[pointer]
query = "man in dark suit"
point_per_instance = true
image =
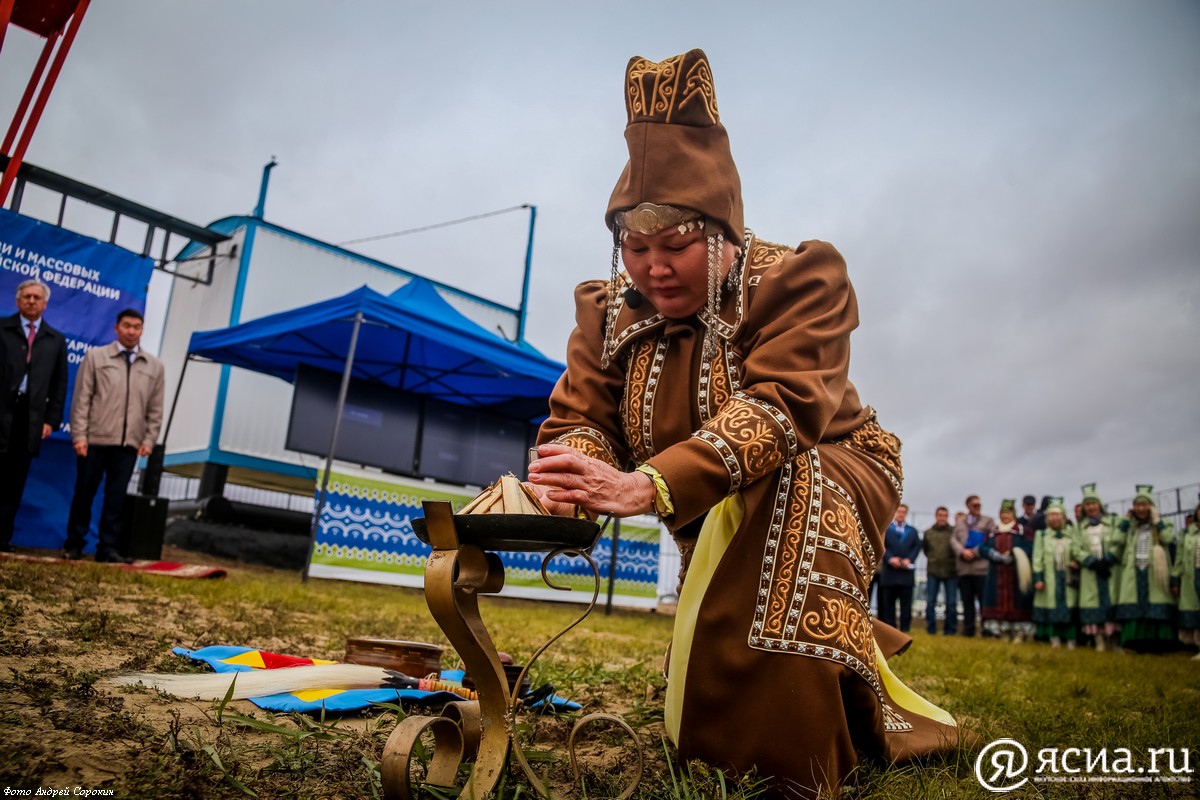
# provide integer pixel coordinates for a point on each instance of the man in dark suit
(901, 546)
(1033, 519)
(33, 394)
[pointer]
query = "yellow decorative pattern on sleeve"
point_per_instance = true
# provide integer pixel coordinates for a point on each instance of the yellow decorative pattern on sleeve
(663, 505)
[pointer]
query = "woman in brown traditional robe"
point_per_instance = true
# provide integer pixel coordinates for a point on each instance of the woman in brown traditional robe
(708, 383)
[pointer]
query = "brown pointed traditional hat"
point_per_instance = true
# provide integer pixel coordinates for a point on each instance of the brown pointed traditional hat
(678, 148)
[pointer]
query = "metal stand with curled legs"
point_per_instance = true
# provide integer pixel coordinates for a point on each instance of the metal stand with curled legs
(480, 732)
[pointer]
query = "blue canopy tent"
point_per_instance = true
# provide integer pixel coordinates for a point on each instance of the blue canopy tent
(412, 340)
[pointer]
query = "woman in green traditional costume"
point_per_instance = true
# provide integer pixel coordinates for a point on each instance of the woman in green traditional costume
(1097, 538)
(1055, 600)
(1185, 583)
(1145, 605)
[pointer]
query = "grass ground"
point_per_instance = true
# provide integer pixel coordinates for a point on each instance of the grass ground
(67, 627)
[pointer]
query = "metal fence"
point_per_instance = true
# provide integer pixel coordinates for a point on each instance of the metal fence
(180, 487)
(1173, 504)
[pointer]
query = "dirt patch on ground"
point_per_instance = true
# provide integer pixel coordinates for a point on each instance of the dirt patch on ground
(63, 631)
(63, 724)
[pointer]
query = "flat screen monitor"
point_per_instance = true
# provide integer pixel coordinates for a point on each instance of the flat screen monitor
(465, 445)
(379, 423)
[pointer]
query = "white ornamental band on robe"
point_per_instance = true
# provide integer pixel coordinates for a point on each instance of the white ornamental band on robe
(1062, 549)
(1095, 540)
(1141, 552)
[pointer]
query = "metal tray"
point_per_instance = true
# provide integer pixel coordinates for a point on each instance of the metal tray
(519, 532)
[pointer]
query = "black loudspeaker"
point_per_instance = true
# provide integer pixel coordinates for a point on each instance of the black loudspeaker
(151, 477)
(145, 522)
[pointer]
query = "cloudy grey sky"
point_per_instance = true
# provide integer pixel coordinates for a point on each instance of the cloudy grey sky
(1015, 186)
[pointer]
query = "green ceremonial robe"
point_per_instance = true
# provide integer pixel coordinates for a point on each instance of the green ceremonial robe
(1140, 597)
(1056, 602)
(1186, 576)
(1094, 547)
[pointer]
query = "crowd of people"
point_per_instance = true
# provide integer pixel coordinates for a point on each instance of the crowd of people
(1097, 579)
(115, 416)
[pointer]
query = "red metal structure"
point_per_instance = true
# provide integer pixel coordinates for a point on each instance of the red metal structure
(57, 21)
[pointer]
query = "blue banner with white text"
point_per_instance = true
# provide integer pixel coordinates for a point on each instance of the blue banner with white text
(90, 282)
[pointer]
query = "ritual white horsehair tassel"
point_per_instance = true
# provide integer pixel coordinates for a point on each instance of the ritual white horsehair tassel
(266, 682)
(1160, 568)
(1024, 570)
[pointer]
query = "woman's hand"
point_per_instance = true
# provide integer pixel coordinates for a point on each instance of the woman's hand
(563, 475)
(555, 509)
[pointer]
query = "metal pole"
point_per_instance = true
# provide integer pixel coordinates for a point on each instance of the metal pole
(151, 478)
(17, 194)
(6, 9)
(262, 189)
(175, 399)
(19, 116)
(39, 105)
(612, 566)
(524, 307)
(337, 424)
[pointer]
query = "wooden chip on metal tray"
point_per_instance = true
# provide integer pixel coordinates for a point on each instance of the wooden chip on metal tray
(506, 496)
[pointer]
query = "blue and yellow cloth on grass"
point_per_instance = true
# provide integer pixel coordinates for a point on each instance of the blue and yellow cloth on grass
(225, 658)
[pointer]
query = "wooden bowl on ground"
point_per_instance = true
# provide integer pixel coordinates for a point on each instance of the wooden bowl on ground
(416, 659)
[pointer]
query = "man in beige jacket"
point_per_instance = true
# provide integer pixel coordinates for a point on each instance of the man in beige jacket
(971, 531)
(116, 415)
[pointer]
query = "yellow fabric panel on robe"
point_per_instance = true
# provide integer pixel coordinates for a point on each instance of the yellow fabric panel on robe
(716, 533)
(905, 697)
